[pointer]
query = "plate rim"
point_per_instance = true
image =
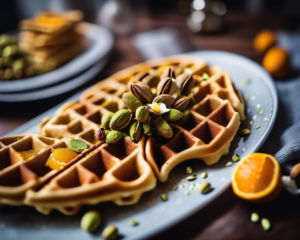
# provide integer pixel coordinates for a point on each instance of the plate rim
(267, 79)
(102, 45)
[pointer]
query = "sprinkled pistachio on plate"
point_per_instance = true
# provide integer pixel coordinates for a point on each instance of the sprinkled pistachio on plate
(205, 76)
(266, 119)
(204, 187)
(191, 178)
(265, 224)
(189, 170)
(245, 132)
(235, 157)
(251, 122)
(246, 81)
(254, 217)
(260, 111)
(187, 193)
(204, 175)
(164, 197)
(258, 127)
(110, 232)
(133, 222)
(228, 164)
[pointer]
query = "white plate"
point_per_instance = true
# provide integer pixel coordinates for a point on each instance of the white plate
(100, 43)
(152, 214)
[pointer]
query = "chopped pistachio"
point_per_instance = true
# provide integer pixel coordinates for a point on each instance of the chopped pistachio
(164, 197)
(182, 186)
(204, 175)
(189, 170)
(187, 193)
(251, 122)
(254, 217)
(191, 178)
(266, 224)
(245, 132)
(204, 187)
(235, 157)
(205, 77)
(266, 119)
(246, 96)
(246, 81)
(228, 164)
(133, 222)
(260, 111)
(183, 180)
(258, 127)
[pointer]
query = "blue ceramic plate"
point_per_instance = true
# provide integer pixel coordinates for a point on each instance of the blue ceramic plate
(100, 41)
(153, 214)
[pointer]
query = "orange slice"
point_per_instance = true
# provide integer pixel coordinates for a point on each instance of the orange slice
(60, 157)
(257, 178)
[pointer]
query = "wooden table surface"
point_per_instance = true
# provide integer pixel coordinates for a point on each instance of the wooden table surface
(228, 217)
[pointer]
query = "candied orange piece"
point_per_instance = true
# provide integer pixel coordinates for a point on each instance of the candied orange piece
(26, 155)
(60, 157)
(257, 178)
(52, 20)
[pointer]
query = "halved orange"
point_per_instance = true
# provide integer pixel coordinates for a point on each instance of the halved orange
(257, 178)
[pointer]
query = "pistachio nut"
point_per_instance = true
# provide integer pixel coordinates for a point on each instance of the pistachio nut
(204, 187)
(131, 102)
(113, 137)
(173, 115)
(110, 233)
(136, 131)
(163, 128)
(167, 86)
(168, 72)
(156, 119)
(142, 91)
(167, 99)
(120, 119)
(100, 134)
(185, 117)
(142, 114)
(151, 80)
(90, 221)
(105, 120)
(181, 103)
(149, 133)
(147, 127)
(139, 77)
(186, 82)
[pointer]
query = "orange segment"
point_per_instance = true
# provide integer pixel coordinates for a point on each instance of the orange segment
(26, 155)
(60, 157)
(257, 178)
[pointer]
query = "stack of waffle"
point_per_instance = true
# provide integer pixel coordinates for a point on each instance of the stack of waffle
(121, 172)
(53, 38)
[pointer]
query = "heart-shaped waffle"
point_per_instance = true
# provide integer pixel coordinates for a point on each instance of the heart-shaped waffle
(19, 173)
(117, 173)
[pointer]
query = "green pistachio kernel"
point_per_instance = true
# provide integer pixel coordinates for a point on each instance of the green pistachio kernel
(245, 132)
(265, 224)
(204, 175)
(228, 164)
(254, 217)
(258, 127)
(164, 197)
(205, 76)
(191, 178)
(260, 111)
(235, 157)
(90, 221)
(110, 232)
(189, 170)
(204, 187)
(133, 222)
(106, 119)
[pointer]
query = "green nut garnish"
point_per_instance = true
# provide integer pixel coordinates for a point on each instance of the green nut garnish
(167, 99)
(191, 178)
(204, 187)
(235, 157)
(106, 119)
(228, 164)
(136, 131)
(173, 115)
(204, 175)
(90, 221)
(131, 101)
(188, 170)
(133, 222)
(110, 233)
(164, 197)
(113, 137)
(147, 127)
(142, 114)
(120, 119)
(184, 118)
(254, 217)
(205, 76)
(245, 132)
(260, 111)
(77, 145)
(266, 224)
(163, 128)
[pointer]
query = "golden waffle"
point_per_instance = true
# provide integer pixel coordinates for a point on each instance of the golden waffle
(19, 172)
(50, 22)
(206, 135)
(117, 173)
(81, 119)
